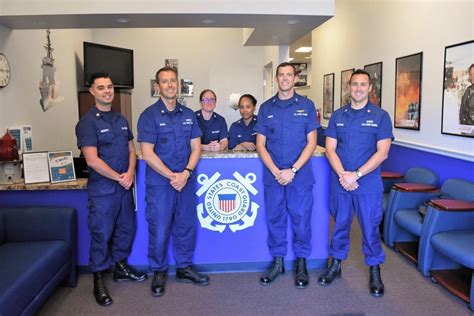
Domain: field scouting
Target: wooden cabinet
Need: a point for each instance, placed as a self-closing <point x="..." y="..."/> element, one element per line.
<point x="122" y="104"/>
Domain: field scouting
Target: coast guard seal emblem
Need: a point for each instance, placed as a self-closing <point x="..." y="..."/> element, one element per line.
<point x="227" y="202"/>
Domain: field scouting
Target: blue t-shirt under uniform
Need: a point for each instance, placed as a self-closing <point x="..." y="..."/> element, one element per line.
<point x="213" y="129"/>
<point x="286" y="124"/>
<point x="357" y="133"/>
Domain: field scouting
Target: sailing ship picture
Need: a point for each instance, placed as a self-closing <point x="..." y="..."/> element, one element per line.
<point x="49" y="84"/>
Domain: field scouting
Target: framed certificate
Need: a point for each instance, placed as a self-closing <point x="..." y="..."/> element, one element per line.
<point x="35" y="166"/>
<point x="61" y="166"/>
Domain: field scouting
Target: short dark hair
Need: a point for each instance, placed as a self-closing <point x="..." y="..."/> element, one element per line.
<point x="207" y="90"/>
<point x="98" y="75"/>
<point x="361" y="72"/>
<point x="286" y="64"/>
<point x="250" y="97"/>
<point x="167" y="68"/>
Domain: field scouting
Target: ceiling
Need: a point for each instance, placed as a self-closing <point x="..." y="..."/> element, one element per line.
<point x="264" y="22"/>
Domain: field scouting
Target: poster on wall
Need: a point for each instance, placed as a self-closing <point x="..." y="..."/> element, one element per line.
<point x="302" y="71"/>
<point x="173" y="63"/>
<point x="345" y="89"/>
<point x="154" y="90"/>
<point x="458" y="90"/>
<point x="187" y="88"/>
<point x="328" y="95"/>
<point x="408" y="76"/>
<point x="375" y="72"/>
<point x="61" y="166"/>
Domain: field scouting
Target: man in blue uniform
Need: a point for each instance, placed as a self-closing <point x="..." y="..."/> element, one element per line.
<point x="286" y="140"/>
<point x="212" y="125"/>
<point x="106" y="142"/>
<point x="241" y="133"/>
<point x="358" y="140"/>
<point x="170" y="142"/>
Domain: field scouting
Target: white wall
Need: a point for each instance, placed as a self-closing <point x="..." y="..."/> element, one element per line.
<point x="213" y="58"/>
<point x="368" y="31"/>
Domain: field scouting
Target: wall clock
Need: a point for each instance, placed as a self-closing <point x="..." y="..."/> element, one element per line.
<point x="5" y="71"/>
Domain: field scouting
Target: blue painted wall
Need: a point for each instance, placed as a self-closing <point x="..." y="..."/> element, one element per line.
<point x="402" y="158"/>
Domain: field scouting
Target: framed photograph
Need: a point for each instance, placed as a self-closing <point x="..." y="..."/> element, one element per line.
<point x="181" y="100"/>
<point x="375" y="72"/>
<point x="187" y="88"/>
<point x="302" y="71"/>
<point x="35" y="167"/>
<point x="345" y="89"/>
<point x="328" y="95"/>
<point x="458" y="90"/>
<point x="173" y="63"/>
<point x="61" y="166"/>
<point x="155" y="92"/>
<point x="408" y="74"/>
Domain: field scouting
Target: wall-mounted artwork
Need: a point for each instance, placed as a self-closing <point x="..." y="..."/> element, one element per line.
<point x="458" y="90"/>
<point x="328" y="95"/>
<point x="187" y="88"/>
<point x="408" y="75"/>
<point x="375" y="72"/>
<point x="173" y="63"/>
<point x="49" y="84"/>
<point x="345" y="89"/>
<point x="302" y="71"/>
<point x="154" y="91"/>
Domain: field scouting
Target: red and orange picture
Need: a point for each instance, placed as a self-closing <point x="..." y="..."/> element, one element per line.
<point x="408" y="91"/>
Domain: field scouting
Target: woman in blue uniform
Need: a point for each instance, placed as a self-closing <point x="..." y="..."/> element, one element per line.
<point x="241" y="133"/>
<point x="212" y="125"/>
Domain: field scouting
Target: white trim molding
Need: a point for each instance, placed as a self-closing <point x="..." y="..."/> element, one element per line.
<point x="436" y="150"/>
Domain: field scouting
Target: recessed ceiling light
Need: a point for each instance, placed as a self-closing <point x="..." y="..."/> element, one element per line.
<point x="123" y="20"/>
<point x="292" y="22"/>
<point x="208" y="21"/>
<point x="304" y="49"/>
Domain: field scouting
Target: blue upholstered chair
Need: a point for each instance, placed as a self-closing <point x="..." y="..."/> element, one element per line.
<point x="446" y="249"/>
<point x="419" y="186"/>
<point x="412" y="175"/>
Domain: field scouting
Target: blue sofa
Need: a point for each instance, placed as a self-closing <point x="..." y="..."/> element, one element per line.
<point x="38" y="249"/>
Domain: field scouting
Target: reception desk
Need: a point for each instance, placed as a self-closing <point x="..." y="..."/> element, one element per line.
<point x="232" y="232"/>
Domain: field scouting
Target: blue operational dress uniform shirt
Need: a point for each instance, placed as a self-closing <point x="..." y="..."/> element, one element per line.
<point x="213" y="129"/>
<point x="286" y="124"/>
<point x="167" y="210"/>
<point x="111" y="219"/>
<point x="357" y="133"/>
<point x="239" y="132"/>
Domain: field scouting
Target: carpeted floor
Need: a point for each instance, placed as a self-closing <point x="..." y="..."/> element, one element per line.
<point x="407" y="292"/>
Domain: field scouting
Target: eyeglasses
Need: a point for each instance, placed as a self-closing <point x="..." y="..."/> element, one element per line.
<point x="208" y="100"/>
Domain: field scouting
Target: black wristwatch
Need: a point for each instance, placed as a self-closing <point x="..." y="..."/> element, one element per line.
<point x="189" y="170"/>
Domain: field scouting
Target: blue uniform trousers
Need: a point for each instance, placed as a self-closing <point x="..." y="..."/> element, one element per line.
<point x="111" y="223"/>
<point x="369" y="213"/>
<point x="297" y="202"/>
<point x="170" y="212"/>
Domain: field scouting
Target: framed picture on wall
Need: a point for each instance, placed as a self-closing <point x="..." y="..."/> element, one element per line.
<point x="458" y="90"/>
<point x="155" y="92"/>
<point x="302" y="71"/>
<point x="187" y="88"/>
<point x="328" y="95"/>
<point x="173" y="63"/>
<point x="375" y="72"/>
<point x="408" y="75"/>
<point x="345" y="89"/>
<point x="61" y="166"/>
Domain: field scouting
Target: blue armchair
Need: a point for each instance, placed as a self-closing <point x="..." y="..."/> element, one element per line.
<point x="447" y="243"/>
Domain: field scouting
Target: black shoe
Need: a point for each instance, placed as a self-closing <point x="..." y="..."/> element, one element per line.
<point x="273" y="272"/>
<point x="123" y="272"/>
<point x="301" y="276"/>
<point x="158" y="283"/>
<point x="333" y="271"/>
<point x="189" y="275"/>
<point x="375" y="282"/>
<point x="102" y="296"/>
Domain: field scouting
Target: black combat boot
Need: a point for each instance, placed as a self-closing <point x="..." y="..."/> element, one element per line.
<point x="158" y="283"/>
<point x="275" y="270"/>
<point x="301" y="277"/>
<point x="190" y="275"/>
<point x="375" y="283"/>
<point x="101" y="294"/>
<point x="333" y="271"/>
<point x="123" y="272"/>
